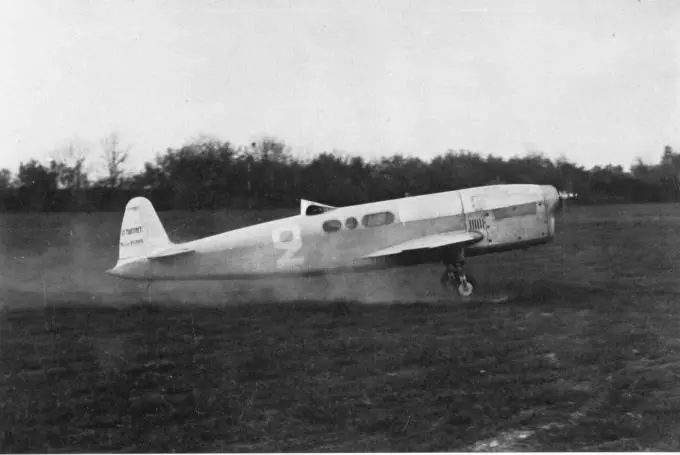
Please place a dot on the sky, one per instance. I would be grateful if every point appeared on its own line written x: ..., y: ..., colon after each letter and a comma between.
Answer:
x: 595, y: 81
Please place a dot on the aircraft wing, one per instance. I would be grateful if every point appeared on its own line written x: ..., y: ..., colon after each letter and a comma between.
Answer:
x: 169, y: 253
x: 429, y: 242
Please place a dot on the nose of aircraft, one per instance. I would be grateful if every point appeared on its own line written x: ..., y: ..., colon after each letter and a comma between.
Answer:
x: 552, y: 201
x: 552, y: 198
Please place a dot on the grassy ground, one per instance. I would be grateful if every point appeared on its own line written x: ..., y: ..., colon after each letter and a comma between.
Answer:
x: 584, y: 355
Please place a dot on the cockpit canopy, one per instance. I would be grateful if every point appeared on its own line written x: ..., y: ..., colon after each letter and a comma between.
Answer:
x: 310, y: 208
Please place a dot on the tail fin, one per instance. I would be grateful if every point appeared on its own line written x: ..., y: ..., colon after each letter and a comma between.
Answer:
x: 141, y: 232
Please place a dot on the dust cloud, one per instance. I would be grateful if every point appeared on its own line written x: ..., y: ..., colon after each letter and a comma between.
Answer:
x: 48, y: 257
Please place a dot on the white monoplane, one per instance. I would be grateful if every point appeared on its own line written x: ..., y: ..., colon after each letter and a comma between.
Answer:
x: 323, y: 239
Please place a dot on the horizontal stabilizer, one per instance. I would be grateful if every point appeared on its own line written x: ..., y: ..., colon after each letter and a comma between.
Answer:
x: 431, y: 241
x: 170, y: 253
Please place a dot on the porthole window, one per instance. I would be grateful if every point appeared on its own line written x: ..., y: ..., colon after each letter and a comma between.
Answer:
x: 351, y: 223
x: 332, y: 226
x: 377, y: 219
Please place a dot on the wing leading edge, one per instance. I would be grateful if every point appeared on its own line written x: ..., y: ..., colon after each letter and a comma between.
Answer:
x: 431, y: 241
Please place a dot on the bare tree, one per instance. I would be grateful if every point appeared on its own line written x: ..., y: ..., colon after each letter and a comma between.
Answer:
x: 114, y: 156
x: 72, y: 163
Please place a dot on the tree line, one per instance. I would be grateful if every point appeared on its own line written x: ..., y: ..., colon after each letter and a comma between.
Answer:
x: 213, y: 174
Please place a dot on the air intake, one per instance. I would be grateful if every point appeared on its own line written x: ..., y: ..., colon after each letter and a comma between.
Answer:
x: 476, y: 224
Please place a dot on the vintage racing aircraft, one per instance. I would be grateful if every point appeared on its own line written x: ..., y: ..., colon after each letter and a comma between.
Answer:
x: 322, y: 239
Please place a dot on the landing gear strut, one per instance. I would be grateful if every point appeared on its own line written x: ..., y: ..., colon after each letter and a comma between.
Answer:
x: 454, y: 277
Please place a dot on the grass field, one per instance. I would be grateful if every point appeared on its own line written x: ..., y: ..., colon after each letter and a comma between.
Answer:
x: 584, y: 356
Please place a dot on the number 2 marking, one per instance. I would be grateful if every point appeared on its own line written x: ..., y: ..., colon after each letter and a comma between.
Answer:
x: 291, y: 243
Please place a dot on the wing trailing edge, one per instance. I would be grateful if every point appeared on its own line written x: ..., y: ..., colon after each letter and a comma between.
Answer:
x: 461, y: 238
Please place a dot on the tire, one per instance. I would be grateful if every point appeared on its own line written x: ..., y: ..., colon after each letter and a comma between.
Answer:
x: 460, y: 289
x: 468, y: 289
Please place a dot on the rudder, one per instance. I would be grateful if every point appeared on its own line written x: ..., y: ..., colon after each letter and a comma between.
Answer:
x: 141, y: 232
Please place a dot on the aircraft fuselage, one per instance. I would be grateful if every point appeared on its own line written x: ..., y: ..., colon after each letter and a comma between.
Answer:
x: 507, y: 216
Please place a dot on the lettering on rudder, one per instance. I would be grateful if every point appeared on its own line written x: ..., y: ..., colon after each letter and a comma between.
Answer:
x: 130, y: 231
x: 132, y: 242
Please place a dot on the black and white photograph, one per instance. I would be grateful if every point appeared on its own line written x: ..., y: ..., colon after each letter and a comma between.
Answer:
x: 350, y: 226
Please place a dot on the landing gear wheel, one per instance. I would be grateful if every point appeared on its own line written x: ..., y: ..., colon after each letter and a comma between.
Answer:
x: 454, y: 277
x: 464, y: 285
